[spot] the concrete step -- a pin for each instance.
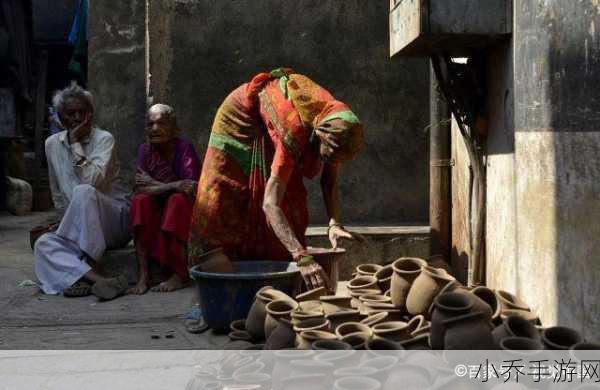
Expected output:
(383, 245)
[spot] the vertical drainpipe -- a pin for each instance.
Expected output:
(440, 175)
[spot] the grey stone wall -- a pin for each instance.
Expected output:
(202, 49)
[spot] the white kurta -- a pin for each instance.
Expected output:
(96, 210)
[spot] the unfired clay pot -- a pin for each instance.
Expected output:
(368, 269)
(352, 327)
(299, 316)
(334, 303)
(405, 271)
(560, 337)
(394, 331)
(489, 296)
(357, 340)
(472, 331)
(312, 324)
(375, 318)
(282, 337)
(238, 325)
(372, 298)
(312, 295)
(424, 289)
(276, 310)
(447, 306)
(255, 322)
(515, 326)
(416, 323)
(384, 277)
(526, 314)
(305, 339)
(356, 294)
(519, 344)
(379, 344)
(362, 282)
(341, 317)
(510, 301)
(310, 306)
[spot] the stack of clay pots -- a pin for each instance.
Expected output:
(405, 305)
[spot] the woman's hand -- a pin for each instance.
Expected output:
(338, 232)
(313, 274)
(143, 179)
(188, 187)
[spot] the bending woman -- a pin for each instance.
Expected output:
(267, 136)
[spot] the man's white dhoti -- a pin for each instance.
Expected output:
(93, 222)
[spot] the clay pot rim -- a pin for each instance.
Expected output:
(381, 327)
(438, 273)
(342, 313)
(359, 328)
(239, 335)
(438, 302)
(323, 323)
(293, 305)
(334, 298)
(360, 271)
(495, 311)
(364, 291)
(336, 341)
(371, 282)
(362, 335)
(524, 340)
(276, 295)
(421, 320)
(379, 305)
(385, 269)
(235, 325)
(380, 298)
(306, 314)
(511, 300)
(317, 335)
(527, 315)
(378, 318)
(509, 323)
(563, 330)
(409, 260)
(310, 293)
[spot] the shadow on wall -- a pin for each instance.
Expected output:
(201, 51)
(560, 51)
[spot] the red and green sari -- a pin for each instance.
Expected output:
(262, 128)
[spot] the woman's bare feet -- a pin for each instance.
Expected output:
(140, 288)
(172, 284)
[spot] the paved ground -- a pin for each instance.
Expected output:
(31, 320)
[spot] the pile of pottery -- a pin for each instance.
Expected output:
(405, 305)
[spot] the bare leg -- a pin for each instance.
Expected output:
(144, 276)
(172, 284)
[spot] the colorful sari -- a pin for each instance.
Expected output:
(262, 129)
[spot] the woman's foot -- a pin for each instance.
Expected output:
(174, 283)
(140, 288)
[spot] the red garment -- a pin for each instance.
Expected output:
(162, 227)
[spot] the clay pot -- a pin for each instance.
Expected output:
(509, 301)
(333, 303)
(560, 337)
(489, 296)
(341, 317)
(420, 342)
(526, 314)
(515, 326)
(303, 382)
(238, 326)
(357, 340)
(379, 344)
(356, 294)
(372, 298)
(299, 316)
(424, 290)
(276, 310)
(352, 327)
(330, 345)
(305, 339)
(312, 295)
(255, 322)
(416, 323)
(519, 344)
(394, 331)
(375, 318)
(368, 269)
(479, 305)
(447, 306)
(471, 331)
(405, 271)
(312, 324)
(362, 282)
(313, 306)
(283, 336)
(369, 308)
(215, 261)
(239, 335)
(384, 277)
(356, 383)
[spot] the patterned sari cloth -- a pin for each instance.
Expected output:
(263, 128)
(161, 223)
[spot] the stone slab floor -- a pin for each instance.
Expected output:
(32, 320)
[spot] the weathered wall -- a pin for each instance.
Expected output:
(117, 73)
(549, 253)
(202, 49)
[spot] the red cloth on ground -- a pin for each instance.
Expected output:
(162, 227)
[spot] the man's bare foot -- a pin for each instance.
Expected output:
(140, 288)
(172, 284)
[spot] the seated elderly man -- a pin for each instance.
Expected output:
(168, 168)
(84, 180)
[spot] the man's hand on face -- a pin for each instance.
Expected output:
(79, 132)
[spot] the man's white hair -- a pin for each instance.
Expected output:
(166, 111)
(73, 91)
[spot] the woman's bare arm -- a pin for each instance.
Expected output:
(331, 194)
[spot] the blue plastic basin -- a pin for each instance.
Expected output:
(225, 297)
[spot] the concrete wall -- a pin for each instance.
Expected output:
(544, 180)
(202, 49)
(117, 73)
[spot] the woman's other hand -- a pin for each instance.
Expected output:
(338, 232)
(313, 274)
(188, 187)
